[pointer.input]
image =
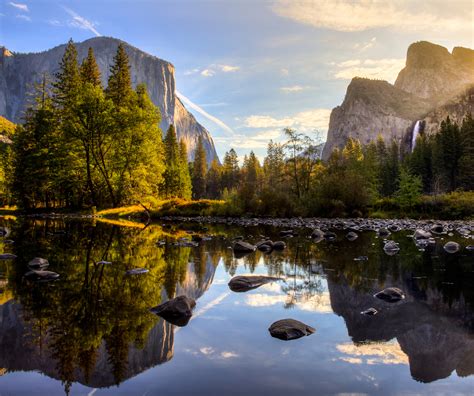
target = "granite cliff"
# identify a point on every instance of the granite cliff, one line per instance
(434, 84)
(18, 72)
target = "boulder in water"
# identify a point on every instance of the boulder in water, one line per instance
(41, 276)
(243, 283)
(177, 311)
(391, 248)
(265, 246)
(290, 329)
(244, 247)
(38, 263)
(421, 234)
(330, 236)
(317, 235)
(390, 294)
(383, 233)
(351, 236)
(452, 247)
(437, 229)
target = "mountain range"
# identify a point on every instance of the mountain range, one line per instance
(19, 72)
(434, 84)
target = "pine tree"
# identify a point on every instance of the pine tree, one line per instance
(466, 162)
(213, 186)
(185, 176)
(199, 171)
(420, 161)
(67, 82)
(230, 170)
(410, 188)
(90, 72)
(119, 87)
(176, 176)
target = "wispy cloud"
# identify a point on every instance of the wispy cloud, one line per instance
(20, 6)
(366, 45)
(384, 69)
(24, 17)
(81, 22)
(352, 16)
(204, 113)
(212, 70)
(292, 88)
(54, 22)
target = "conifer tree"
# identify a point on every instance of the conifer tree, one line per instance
(466, 162)
(119, 86)
(176, 181)
(230, 170)
(67, 82)
(89, 70)
(213, 187)
(185, 176)
(199, 171)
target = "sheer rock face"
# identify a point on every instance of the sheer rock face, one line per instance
(433, 85)
(18, 73)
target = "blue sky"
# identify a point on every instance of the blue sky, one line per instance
(248, 68)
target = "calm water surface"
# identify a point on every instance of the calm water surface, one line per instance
(91, 332)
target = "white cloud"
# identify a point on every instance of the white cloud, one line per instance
(22, 7)
(81, 22)
(24, 17)
(208, 73)
(373, 353)
(204, 113)
(365, 46)
(383, 69)
(293, 88)
(351, 16)
(190, 72)
(228, 68)
(55, 22)
(304, 121)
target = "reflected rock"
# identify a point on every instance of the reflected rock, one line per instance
(351, 236)
(4, 231)
(287, 233)
(470, 248)
(370, 312)
(437, 229)
(7, 256)
(383, 233)
(103, 262)
(390, 294)
(330, 236)
(452, 247)
(38, 263)
(279, 245)
(290, 329)
(41, 276)
(243, 283)
(391, 248)
(177, 311)
(137, 271)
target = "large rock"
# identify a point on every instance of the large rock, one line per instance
(177, 311)
(38, 263)
(41, 276)
(243, 248)
(290, 329)
(243, 283)
(19, 72)
(390, 294)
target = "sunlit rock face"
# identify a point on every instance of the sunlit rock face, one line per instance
(430, 331)
(434, 84)
(18, 73)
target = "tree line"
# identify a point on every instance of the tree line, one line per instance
(82, 144)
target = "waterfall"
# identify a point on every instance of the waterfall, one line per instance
(414, 134)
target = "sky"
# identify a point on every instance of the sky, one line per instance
(249, 68)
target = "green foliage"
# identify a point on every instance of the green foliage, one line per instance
(199, 171)
(409, 192)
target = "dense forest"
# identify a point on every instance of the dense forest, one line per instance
(83, 145)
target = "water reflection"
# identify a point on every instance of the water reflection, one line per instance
(93, 326)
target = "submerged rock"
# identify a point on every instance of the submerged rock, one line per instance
(361, 258)
(437, 228)
(370, 312)
(452, 247)
(243, 283)
(244, 247)
(177, 311)
(383, 232)
(317, 235)
(41, 276)
(136, 271)
(330, 236)
(290, 329)
(38, 263)
(351, 236)
(7, 256)
(265, 246)
(390, 294)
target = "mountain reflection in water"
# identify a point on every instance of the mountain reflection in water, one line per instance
(93, 326)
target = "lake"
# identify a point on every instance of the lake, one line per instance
(91, 331)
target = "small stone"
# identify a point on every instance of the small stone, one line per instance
(38, 263)
(41, 276)
(391, 248)
(243, 283)
(279, 245)
(290, 329)
(351, 236)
